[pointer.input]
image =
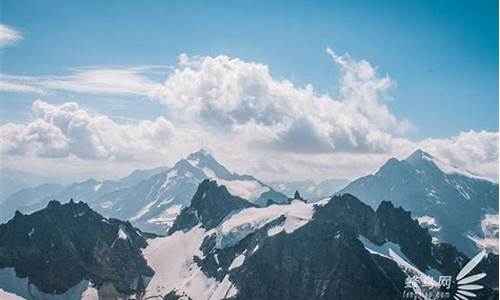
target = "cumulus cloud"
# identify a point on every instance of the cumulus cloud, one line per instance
(9, 36)
(242, 98)
(232, 95)
(366, 91)
(70, 130)
(253, 122)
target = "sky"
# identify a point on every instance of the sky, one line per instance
(309, 89)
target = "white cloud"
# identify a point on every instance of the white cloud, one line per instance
(253, 122)
(69, 130)
(474, 151)
(20, 84)
(104, 81)
(9, 36)
(231, 95)
(95, 81)
(366, 91)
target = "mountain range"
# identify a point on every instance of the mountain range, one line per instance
(456, 206)
(12, 181)
(150, 199)
(222, 246)
(34, 198)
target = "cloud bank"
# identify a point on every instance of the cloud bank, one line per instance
(231, 95)
(252, 121)
(59, 131)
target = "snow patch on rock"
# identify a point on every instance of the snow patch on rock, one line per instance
(9, 296)
(237, 262)
(168, 216)
(97, 187)
(122, 234)
(171, 258)
(246, 189)
(489, 227)
(429, 222)
(249, 220)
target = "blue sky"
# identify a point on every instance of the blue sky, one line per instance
(442, 55)
(441, 58)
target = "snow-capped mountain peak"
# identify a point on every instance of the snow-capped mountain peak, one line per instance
(203, 160)
(244, 186)
(419, 154)
(174, 188)
(427, 186)
(421, 159)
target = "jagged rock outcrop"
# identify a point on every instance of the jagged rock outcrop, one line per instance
(210, 205)
(62, 245)
(327, 258)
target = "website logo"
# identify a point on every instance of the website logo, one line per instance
(465, 283)
(422, 286)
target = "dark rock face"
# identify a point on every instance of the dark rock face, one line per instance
(457, 202)
(332, 264)
(325, 259)
(394, 224)
(210, 205)
(61, 245)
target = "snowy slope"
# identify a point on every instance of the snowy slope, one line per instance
(445, 167)
(489, 239)
(9, 296)
(250, 220)
(172, 260)
(171, 257)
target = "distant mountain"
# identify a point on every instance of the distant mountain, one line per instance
(151, 199)
(12, 181)
(137, 176)
(68, 250)
(26, 198)
(309, 189)
(153, 204)
(34, 198)
(457, 206)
